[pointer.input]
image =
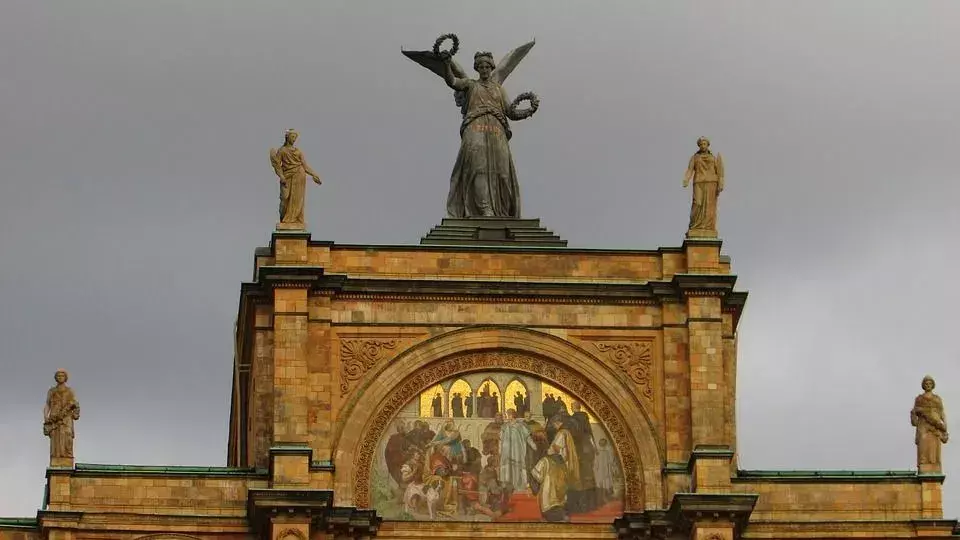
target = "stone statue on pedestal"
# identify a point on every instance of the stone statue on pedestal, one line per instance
(59, 414)
(484, 180)
(706, 172)
(292, 169)
(931, 422)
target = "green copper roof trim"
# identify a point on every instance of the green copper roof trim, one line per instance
(836, 475)
(19, 523)
(675, 468)
(173, 470)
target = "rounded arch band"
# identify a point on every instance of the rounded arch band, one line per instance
(479, 349)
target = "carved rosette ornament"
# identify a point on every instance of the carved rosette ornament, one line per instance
(561, 376)
(358, 356)
(635, 359)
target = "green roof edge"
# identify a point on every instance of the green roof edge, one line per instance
(94, 468)
(841, 474)
(18, 523)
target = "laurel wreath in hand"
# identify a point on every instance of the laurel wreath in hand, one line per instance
(454, 44)
(520, 114)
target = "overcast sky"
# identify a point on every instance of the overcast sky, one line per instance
(135, 184)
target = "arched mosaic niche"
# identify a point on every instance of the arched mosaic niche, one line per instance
(542, 455)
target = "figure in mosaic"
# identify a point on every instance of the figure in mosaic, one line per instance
(706, 172)
(931, 422)
(484, 179)
(520, 469)
(292, 170)
(59, 414)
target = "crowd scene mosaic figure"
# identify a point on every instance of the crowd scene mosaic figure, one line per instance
(515, 460)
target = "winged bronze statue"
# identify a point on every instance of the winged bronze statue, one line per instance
(484, 179)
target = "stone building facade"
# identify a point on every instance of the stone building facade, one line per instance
(360, 371)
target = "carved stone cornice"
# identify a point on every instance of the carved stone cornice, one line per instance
(656, 524)
(686, 511)
(341, 286)
(704, 284)
(689, 509)
(316, 505)
(703, 241)
(289, 276)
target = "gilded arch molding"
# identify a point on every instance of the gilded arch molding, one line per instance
(513, 349)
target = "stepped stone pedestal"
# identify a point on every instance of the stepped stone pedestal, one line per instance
(492, 231)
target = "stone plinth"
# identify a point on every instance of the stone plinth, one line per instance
(492, 231)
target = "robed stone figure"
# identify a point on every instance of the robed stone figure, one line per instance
(59, 414)
(292, 170)
(484, 179)
(931, 422)
(705, 170)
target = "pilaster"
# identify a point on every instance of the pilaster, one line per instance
(58, 488)
(260, 431)
(290, 281)
(705, 354)
(729, 337)
(931, 495)
(290, 466)
(320, 376)
(290, 362)
(710, 469)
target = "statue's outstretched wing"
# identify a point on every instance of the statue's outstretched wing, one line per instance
(435, 64)
(510, 61)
